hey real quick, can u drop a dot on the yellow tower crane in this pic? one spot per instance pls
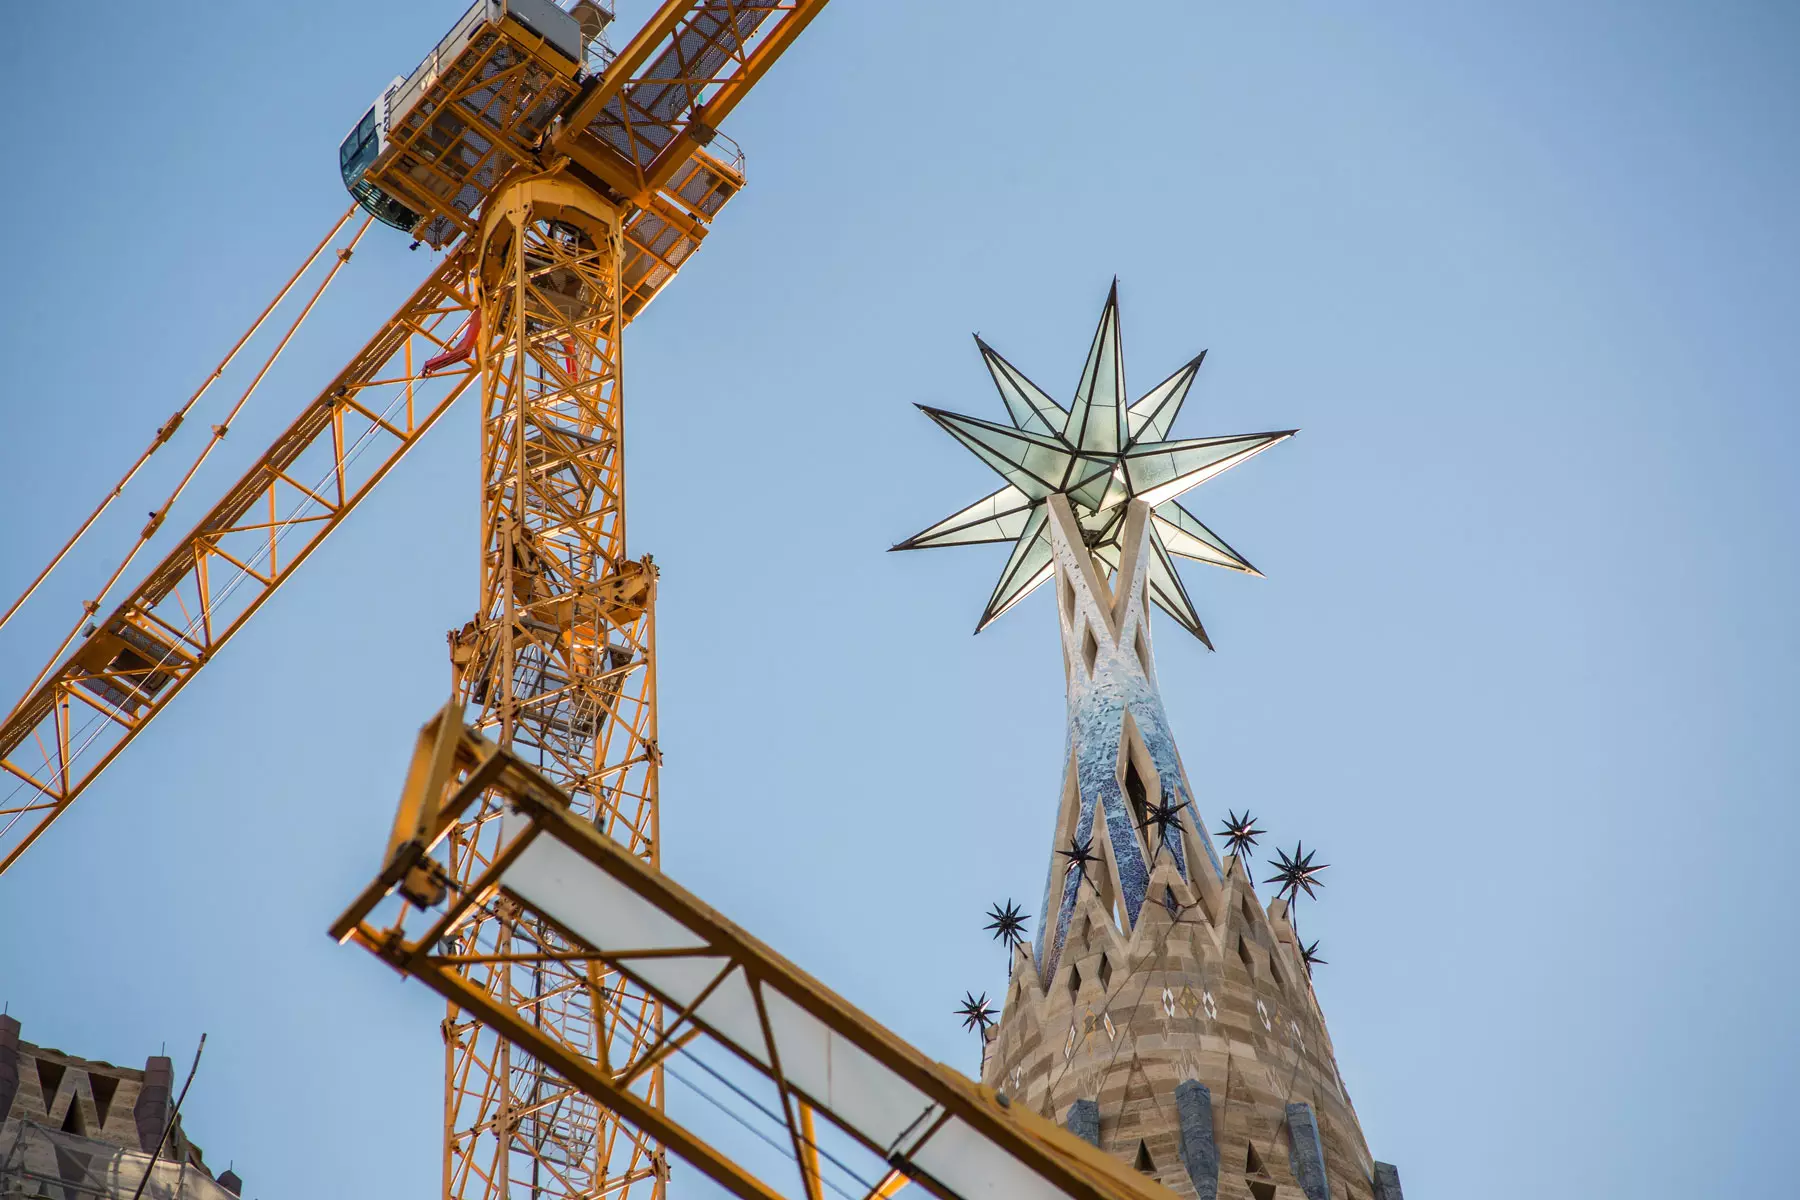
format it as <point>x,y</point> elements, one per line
<point>566,185</point>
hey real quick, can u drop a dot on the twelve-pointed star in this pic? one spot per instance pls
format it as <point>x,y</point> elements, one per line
<point>1240,833</point>
<point>1080,853</point>
<point>976,1012</point>
<point>1296,873</point>
<point>1310,956</point>
<point>1007,924</point>
<point>1164,816</point>
<point>1100,452</point>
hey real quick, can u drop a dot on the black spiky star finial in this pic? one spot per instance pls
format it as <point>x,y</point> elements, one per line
<point>1310,956</point>
<point>1007,924</point>
<point>1164,815</point>
<point>1080,853</point>
<point>1240,834</point>
<point>976,1012</point>
<point>1297,873</point>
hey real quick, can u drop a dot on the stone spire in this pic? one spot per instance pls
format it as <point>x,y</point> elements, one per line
<point>1164,1014</point>
<point>1123,771</point>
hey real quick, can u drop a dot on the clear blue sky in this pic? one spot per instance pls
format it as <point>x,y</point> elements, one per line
<point>1523,666</point>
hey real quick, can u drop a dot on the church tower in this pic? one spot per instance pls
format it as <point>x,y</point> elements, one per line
<point>1163,1012</point>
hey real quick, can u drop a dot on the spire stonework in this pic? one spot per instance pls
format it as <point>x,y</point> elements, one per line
<point>1163,1000</point>
<point>1163,1012</point>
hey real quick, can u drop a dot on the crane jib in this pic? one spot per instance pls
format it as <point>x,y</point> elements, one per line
<point>138,656</point>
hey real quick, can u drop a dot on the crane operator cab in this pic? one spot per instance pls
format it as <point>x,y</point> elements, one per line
<point>436,142</point>
<point>359,152</point>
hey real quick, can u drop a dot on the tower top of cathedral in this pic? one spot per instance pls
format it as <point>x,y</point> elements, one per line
<point>1163,1013</point>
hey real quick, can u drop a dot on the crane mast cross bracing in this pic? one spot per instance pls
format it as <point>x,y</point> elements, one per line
<point>559,665</point>
<point>566,200</point>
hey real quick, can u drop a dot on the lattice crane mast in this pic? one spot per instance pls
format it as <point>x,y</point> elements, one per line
<point>566,185</point>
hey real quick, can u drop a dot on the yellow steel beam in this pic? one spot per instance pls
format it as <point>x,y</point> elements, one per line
<point>612,911</point>
<point>621,70</point>
<point>595,1083</point>
<point>734,87</point>
<point>679,27</point>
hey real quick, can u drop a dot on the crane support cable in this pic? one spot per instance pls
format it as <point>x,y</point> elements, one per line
<point>157,514</point>
<point>168,428</point>
<point>79,739</point>
<point>65,731</point>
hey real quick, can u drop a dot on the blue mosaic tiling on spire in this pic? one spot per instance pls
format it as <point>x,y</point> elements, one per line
<point>1099,480</point>
<point>1098,703</point>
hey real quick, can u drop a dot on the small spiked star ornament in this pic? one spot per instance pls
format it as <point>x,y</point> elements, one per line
<point>1297,873</point>
<point>1310,956</point>
<point>1165,816</point>
<point>1101,451</point>
<point>976,1012</point>
<point>1240,834</point>
<point>1007,924</point>
<point>1080,853</point>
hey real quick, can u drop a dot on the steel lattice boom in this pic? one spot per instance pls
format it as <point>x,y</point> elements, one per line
<point>88,707</point>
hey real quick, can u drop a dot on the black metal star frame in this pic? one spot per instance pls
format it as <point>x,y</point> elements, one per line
<point>1080,853</point>
<point>1297,873</point>
<point>975,1012</point>
<point>1240,834</point>
<point>1007,924</point>
<point>1100,453</point>
<point>1165,817</point>
<point>1310,956</point>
